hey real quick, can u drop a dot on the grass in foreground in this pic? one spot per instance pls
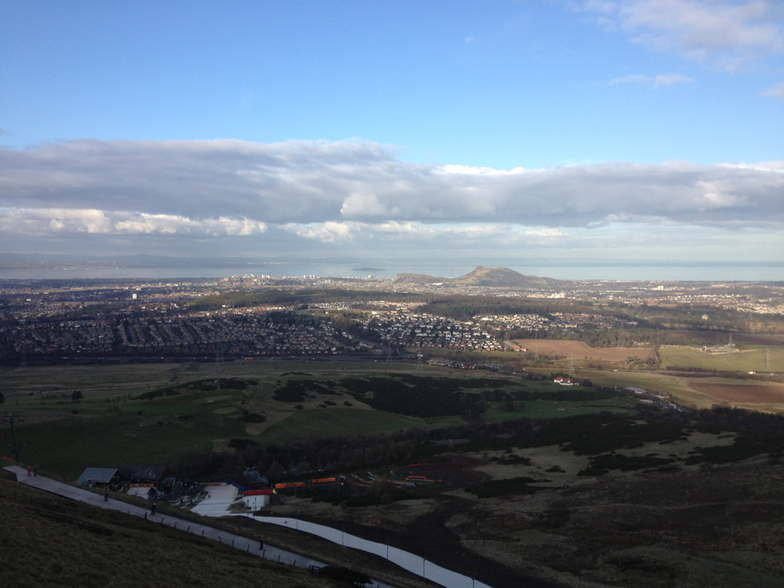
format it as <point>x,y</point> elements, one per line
<point>50,541</point>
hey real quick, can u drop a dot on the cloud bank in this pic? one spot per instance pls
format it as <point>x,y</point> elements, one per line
<point>357,199</point>
<point>238,188</point>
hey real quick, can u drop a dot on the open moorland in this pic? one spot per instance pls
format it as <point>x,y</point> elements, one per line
<point>643,513</point>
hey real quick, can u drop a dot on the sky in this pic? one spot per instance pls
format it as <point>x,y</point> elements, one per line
<point>531,134</point>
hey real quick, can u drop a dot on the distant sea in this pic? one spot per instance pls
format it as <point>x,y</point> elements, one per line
<point>567,270</point>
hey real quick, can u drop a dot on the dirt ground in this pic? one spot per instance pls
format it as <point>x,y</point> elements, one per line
<point>737,394</point>
<point>581,351</point>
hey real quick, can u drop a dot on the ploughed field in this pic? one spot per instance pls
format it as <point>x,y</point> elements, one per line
<point>582,352</point>
<point>743,395</point>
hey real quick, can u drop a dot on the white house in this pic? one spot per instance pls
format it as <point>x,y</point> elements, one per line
<point>257,499</point>
<point>565,381</point>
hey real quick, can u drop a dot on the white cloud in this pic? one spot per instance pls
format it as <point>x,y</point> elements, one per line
<point>327,232</point>
<point>365,205</point>
<point>600,6</point>
<point>479,171</point>
<point>154,223</point>
<point>546,232</point>
<point>42,221</point>
<point>407,229</point>
<point>632,79</point>
<point>54,220</point>
<point>665,80</point>
<point>726,33</point>
<point>776,91</point>
<point>171,224</point>
<point>660,81</point>
<point>428,235</point>
<point>234,188</point>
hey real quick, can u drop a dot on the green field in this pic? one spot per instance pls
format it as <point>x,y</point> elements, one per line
<point>110,425</point>
<point>551,409</point>
<point>743,359</point>
<point>346,422</point>
<point>93,377</point>
<point>139,432</point>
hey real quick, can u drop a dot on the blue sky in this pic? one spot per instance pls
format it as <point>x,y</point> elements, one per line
<point>608,131</point>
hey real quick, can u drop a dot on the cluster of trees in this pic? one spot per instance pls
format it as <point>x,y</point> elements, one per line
<point>637,363</point>
<point>465,308</point>
<point>689,317</point>
<point>416,396</point>
<point>301,298</point>
<point>628,337</point>
<point>599,436</point>
<point>304,459</point>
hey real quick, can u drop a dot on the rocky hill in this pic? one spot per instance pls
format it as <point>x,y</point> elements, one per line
<point>483,276</point>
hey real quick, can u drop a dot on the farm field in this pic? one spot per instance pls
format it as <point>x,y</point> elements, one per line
<point>98,378</point>
<point>743,359</point>
<point>582,353</point>
<point>653,381</point>
<point>765,396</point>
<point>697,392</point>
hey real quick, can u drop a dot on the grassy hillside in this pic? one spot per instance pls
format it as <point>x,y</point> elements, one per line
<point>648,498</point>
<point>50,541</point>
<point>161,414</point>
<point>157,413</point>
